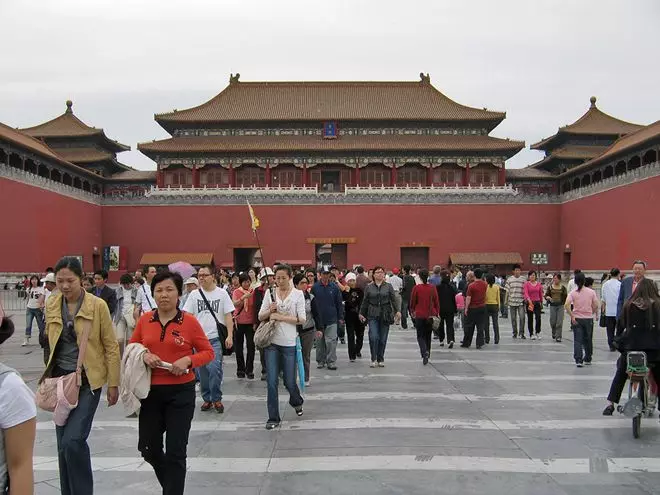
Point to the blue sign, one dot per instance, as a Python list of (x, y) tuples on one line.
[(330, 130)]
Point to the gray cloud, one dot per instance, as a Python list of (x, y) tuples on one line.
[(121, 61)]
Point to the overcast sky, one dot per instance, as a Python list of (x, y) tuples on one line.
[(121, 61)]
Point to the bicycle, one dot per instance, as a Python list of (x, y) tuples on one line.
[(637, 404)]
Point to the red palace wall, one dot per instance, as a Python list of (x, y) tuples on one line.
[(38, 227), (379, 230), (614, 228)]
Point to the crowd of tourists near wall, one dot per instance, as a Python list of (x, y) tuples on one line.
[(157, 339)]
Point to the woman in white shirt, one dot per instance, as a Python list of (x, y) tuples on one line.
[(34, 311), (17, 425), (288, 310)]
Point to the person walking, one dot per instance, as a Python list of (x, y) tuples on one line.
[(244, 317), (35, 309), (175, 344), (102, 290), (406, 293), (330, 305), (533, 291), (380, 308), (556, 295), (18, 424), (609, 303), (307, 331), (144, 302), (68, 311), (447, 297), (492, 308), (354, 327), (424, 304), (287, 311), (212, 306), (582, 305), (267, 279), (123, 318), (515, 297), (629, 284), (475, 310)]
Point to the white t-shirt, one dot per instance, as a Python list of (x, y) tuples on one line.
[(610, 294), (34, 294), (145, 299), (396, 283), (220, 302), (293, 305)]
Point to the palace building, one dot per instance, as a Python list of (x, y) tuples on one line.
[(338, 172)]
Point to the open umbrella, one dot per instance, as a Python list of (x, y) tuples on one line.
[(300, 364), (183, 268)]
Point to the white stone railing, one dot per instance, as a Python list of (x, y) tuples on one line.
[(643, 172), (47, 183), (481, 189), (228, 191)]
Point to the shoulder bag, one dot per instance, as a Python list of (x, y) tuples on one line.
[(433, 319), (223, 333), (60, 394), (265, 333)]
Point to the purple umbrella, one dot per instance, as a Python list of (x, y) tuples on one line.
[(183, 268)]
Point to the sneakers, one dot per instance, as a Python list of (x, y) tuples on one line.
[(320, 366), (608, 410), (206, 406), (381, 364), (442, 343), (425, 359), (579, 365), (271, 425), (587, 363), (373, 364), (299, 411), (358, 355), (308, 383), (538, 336), (451, 344), (532, 337), (515, 336), (332, 367), (558, 340), (219, 407), (26, 342), (352, 360)]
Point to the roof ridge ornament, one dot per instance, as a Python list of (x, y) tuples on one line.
[(424, 78), (69, 104), (593, 102), (234, 78)]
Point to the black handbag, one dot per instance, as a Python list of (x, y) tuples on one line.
[(602, 323), (223, 333)]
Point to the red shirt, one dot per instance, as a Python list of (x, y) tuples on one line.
[(477, 294), (424, 301), (171, 342)]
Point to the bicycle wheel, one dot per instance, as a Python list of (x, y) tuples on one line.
[(637, 420)]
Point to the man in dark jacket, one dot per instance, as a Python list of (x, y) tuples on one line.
[(329, 302), (447, 296), (101, 290), (406, 292), (354, 327), (629, 284)]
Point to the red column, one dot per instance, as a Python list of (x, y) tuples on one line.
[(429, 176), (195, 176), (466, 175), (268, 175), (160, 178), (305, 175), (393, 177), (356, 175), (502, 176), (232, 175)]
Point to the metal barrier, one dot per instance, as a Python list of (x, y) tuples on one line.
[(13, 299)]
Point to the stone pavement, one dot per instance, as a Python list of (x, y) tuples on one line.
[(517, 418)]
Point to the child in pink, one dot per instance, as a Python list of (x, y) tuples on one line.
[(460, 311)]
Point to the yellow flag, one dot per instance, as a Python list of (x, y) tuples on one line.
[(253, 217)]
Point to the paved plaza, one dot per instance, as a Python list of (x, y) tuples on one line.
[(517, 418)]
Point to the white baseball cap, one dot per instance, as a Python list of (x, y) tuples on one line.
[(349, 277), (265, 272), (48, 278), (191, 280)]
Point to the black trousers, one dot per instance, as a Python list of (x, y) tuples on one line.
[(424, 329), (536, 322), (244, 331), (169, 410), (620, 377), (492, 310), (476, 317), (446, 322), (355, 332), (405, 311), (610, 325)]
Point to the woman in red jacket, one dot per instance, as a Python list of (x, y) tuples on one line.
[(424, 303), (170, 335)]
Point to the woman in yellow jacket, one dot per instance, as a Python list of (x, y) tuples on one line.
[(66, 312), (492, 308)]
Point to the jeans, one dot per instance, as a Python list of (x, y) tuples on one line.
[(244, 331), (210, 375), (556, 320), (169, 410), (610, 325), (326, 347), (281, 358), (34, 314), (405, 310), (378, 332), (476, 317), (424, 329), (355, 331), (583, 331), (534, 317), (447, 321), (72, 450), (307, 342), (517, 314), (492, 314)]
